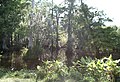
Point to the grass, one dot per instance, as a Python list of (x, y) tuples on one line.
[(16, 80), (26, 80), (7, 75)]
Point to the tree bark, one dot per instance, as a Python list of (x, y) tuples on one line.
[(69, 51), (30, 45), (57, 33)]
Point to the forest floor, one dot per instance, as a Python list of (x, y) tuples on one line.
[(16, 80), (26, 80)]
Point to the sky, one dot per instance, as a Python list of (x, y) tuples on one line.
[(110, 7)]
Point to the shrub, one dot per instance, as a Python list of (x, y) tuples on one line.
[(98, 70), (52, 71)]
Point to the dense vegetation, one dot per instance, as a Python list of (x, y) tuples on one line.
[(83, 70), (57, 42)]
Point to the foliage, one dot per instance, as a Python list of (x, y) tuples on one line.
[(103, 37), (86, 69), (53, 71), (3, 72), (100, 69), (77, 29), (22, 74)]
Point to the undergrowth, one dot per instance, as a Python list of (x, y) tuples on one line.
[(84, 70)]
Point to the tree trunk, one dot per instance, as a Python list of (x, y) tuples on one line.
[(57, 34), (69, 51), (30, 45)]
